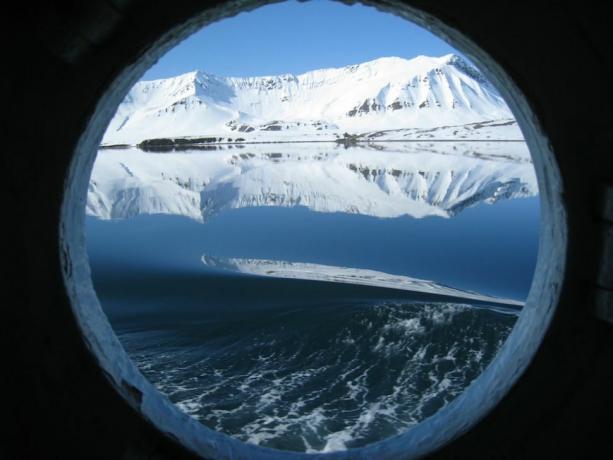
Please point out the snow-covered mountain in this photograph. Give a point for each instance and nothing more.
(385, 180)
(387, 93)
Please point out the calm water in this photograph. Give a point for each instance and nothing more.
(310, 365)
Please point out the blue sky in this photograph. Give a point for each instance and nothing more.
(293, 37)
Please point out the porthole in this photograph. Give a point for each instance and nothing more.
(423, 437)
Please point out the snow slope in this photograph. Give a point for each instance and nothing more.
(384, 180)
(489, 130)
(387, 93)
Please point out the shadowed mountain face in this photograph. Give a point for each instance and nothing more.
(417, 179)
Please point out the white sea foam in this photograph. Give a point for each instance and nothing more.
(377, 375)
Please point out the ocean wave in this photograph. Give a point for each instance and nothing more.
(321, 379)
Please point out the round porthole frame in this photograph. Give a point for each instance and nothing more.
(426, 437)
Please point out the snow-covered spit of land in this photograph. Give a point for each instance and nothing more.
(331, 273)
(418, 179)
(388, 98)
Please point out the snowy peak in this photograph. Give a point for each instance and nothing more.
(386, 93)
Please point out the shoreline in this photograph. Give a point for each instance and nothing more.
(201, 145)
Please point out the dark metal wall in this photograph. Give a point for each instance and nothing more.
(59, 58)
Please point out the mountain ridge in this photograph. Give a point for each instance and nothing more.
(386, 93)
